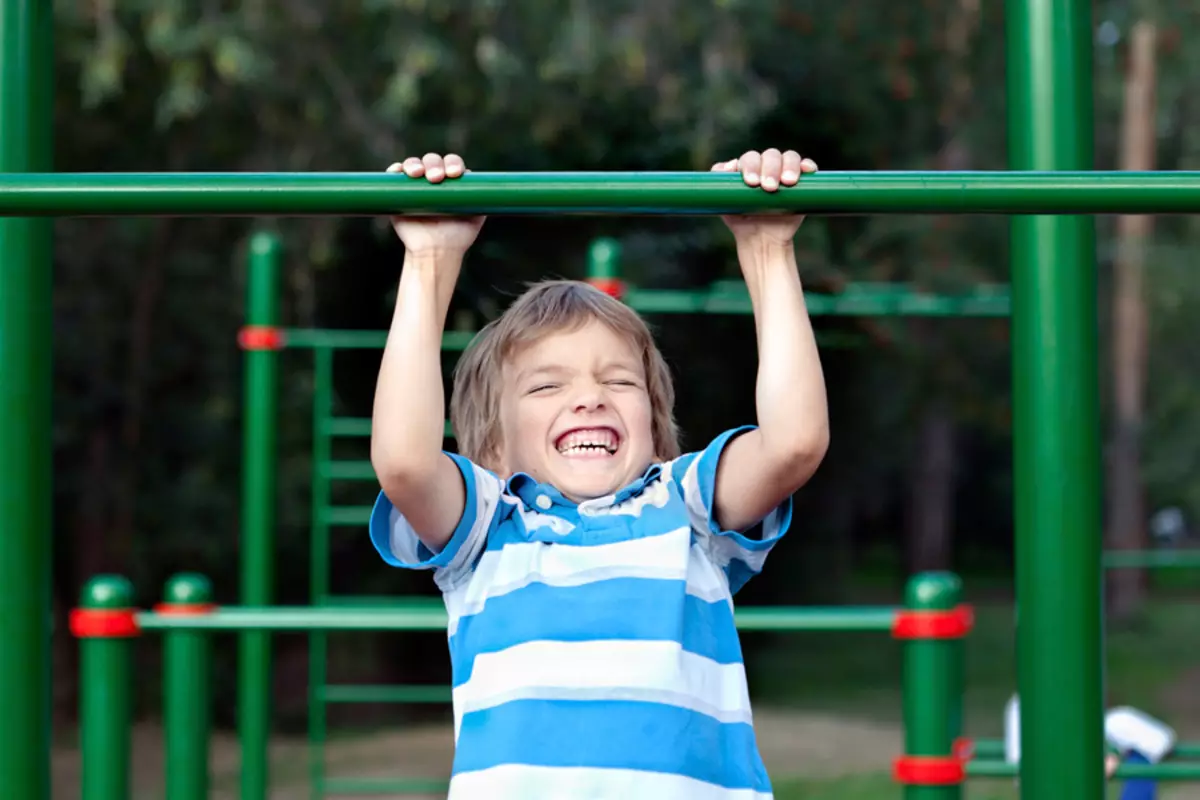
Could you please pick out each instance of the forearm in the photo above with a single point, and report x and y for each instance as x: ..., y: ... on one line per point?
x: 790, y: 398
x: 409, y: 411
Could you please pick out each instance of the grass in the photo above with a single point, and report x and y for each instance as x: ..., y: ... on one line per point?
x: 860, y: 673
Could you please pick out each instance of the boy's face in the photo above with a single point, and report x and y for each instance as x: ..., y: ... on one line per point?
x: 575, y: 413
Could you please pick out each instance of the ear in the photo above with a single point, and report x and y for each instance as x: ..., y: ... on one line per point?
x: 494, y: 460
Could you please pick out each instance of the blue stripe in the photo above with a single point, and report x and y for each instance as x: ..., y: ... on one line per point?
x: 380, y: 525
x: 615, y: 735
x: 643, y: 609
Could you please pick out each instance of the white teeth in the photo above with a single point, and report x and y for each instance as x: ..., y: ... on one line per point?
x: 588, y: 440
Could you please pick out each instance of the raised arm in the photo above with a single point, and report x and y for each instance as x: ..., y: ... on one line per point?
x: 761, y: 468
x: 409, y: 411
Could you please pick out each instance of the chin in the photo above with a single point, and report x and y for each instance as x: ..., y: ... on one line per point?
x: 587, y: 490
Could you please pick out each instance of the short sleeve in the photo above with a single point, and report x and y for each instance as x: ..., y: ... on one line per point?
x: 740, y: 555
x: 397, y: 542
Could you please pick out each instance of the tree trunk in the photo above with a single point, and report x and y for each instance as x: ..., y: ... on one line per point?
x: 1126, y: 512
x: 931, y: 493
x: 930, y: 521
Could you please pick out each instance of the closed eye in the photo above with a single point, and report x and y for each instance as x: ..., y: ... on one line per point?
x: 621, y: 383
x: 542, y: 388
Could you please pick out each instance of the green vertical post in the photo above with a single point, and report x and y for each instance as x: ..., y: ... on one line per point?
x: 604, y: 265
x: 187, y: 664
x: 1055, y: 411
x: 932, y: 681
x: 26, y: 142
x: 105, y: 626
x: 258, y: 507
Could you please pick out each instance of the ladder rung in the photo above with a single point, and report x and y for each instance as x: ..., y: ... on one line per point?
x: 347, y: 470
x: 361, y: 426
x: 382, y: 693
x: 346, y: 515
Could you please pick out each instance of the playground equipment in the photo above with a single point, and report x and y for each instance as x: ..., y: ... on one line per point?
x: 930, y: 626
x: 264, y: 343
x: 1054, y: 351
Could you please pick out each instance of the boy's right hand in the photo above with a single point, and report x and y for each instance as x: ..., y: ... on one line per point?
x: 435, y: 236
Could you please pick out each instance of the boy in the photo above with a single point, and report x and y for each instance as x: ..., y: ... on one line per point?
x: 587, y: 567
x: 1133, y: 736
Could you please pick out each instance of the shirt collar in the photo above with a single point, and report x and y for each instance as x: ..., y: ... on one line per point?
x: 531, y: 493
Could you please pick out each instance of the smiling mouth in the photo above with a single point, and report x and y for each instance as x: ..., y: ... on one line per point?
x: 588, y: 443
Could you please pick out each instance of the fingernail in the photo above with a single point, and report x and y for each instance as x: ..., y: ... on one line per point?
x: 751, y: 176
x: 789, y: 176
x: 769, y: 183
x: 434, y: 173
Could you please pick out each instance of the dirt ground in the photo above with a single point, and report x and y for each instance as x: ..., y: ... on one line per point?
x: 791, y: 743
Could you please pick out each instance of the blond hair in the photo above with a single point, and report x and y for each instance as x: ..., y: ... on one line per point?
x: 550, y: 307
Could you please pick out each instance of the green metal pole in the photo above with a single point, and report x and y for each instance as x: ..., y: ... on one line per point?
x: 604, y: 265
x: 931, y: 709
x: 1055, y: 411
x: 187, y: 663
x: 26, y: 136
x: 258, y: 512
x: 105, y: 626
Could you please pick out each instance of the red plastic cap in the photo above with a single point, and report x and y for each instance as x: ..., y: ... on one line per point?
x: 104, y: 623
x: 952, y: 624
x: 260, y: 337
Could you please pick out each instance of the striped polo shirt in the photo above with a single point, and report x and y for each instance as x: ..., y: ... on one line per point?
x: 593, y: 646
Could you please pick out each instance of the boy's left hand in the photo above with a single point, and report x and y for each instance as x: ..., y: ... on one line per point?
x: 769, y: 170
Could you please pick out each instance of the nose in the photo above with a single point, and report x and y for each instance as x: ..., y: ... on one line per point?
x: 589, y: 396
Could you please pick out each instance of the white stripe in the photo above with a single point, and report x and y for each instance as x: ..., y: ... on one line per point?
x: 619, y: 669
x: 404, y: 541
x: 724, y: 549
x: 669, y: 556
x: 522, y: 782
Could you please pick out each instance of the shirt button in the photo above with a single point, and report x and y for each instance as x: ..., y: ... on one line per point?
x: 543, y: 502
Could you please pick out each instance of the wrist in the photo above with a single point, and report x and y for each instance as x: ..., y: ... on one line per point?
x: 433, y: 259
x: 758, y: 255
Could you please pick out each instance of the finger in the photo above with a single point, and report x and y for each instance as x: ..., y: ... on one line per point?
x: 772, y: 165
x: 396, y: 167
x: 413, y: 167
x: 791, y: 168
x: 726, y: 166
x: 435, y: 168
x: 751, y: 163
x: 808, y: 165
x: 454, y: 165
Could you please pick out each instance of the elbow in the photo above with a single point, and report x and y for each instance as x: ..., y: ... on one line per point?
x: 395, y: 471
x: 797, y: 458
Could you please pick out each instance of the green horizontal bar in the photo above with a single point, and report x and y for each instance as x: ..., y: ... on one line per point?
x: 343, y: 693
x: 452, y: 341
x: 1152, y: 559
x: 802, y: 618
x: 433, y: 617
x: 345, y: 515
x: 677, y: 193
x: 994, y: 748
x: 300, y: 618
x: 384, y: 786
x: 347, y: 470
x: 1174, y: 771
x: 984, y: 303
x: 361, y: 426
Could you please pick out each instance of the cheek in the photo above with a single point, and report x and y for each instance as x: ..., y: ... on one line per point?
x: 639, y: 416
